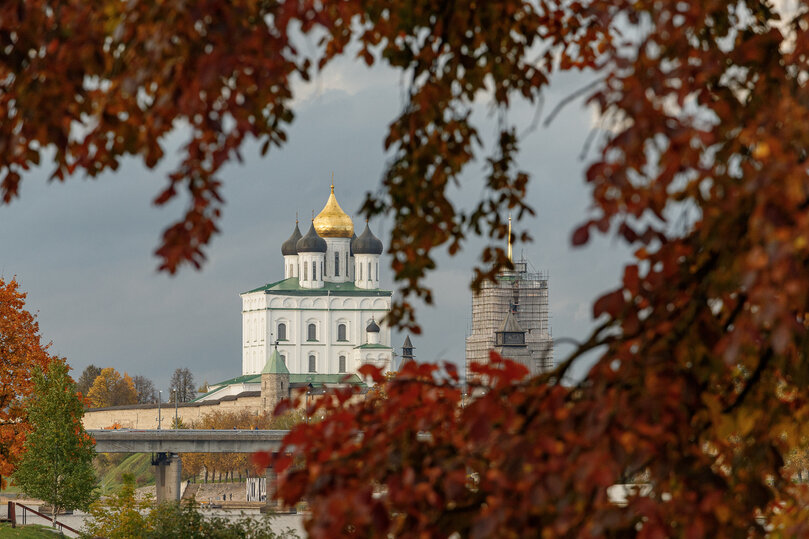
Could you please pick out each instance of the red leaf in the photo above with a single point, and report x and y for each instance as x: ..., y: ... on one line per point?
x: 581, y: 235
x: 610, y: 303
x: 261, y: 460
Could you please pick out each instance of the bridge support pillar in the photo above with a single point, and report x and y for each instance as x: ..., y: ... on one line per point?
x: 168, y: 471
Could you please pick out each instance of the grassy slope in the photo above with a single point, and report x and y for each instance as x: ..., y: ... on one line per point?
x: 139, y: 465
x: 33, y: 531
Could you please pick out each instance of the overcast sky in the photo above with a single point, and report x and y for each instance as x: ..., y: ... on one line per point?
x: 82, y: 250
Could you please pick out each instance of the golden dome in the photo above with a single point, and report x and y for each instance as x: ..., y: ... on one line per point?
x: 332, y: 221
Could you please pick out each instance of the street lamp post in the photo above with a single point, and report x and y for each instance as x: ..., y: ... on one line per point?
x: 176, y: 423
x: 159, y: 416
x: 308, y: 392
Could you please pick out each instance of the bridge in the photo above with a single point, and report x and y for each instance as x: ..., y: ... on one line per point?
x: 167, y: 444
x: 187, y: 441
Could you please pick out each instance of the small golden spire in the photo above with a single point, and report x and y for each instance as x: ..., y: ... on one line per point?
x: 332, y: 182
x: 296, y: 217
x: 509, y: 238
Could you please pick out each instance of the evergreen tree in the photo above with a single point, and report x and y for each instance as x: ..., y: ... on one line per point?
x: 57, y: 463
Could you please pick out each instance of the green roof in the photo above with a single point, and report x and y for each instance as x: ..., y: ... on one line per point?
x: 292, y: 287
x: 367, y: 346
x: 316, y: 379
x: 243, y: 379
x: 275, y: 365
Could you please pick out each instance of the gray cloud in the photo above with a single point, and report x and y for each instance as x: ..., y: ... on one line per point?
x: 83, y: 249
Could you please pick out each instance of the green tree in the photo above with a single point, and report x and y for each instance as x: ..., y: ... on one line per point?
x: 120, y: 516
x: 21, y: 351
x: 124, y: 516
x: 57, y: 465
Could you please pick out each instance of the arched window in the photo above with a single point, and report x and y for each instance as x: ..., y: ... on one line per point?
x: 336, y: 264
x: 305, y: 275
x: 314, y: 270
x: 369, y: 271
x: 360, y: 272
x: 284, y: 359
x: 341, y: 332
x: 311, y: 332
x: 282, y: 332
x: 342, y: 364
x: 312, y: 363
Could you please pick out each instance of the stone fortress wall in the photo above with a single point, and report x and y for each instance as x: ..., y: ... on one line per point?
x: 144, y: 416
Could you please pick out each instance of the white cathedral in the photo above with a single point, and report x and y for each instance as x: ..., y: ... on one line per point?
x: 325, y: 317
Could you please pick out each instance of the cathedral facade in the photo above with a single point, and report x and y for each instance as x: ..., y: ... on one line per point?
x: 325, y: 316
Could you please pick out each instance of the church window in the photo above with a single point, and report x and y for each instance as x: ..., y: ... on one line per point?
x: 377, y: 271
x: 342, y: 364
x: 321, y: 269
x: 311, y: 332
x: 341, y: 332
x: 369, y: 271
x: 305, y: 275
x: 314, y: 270
x: 312, y: 363
x: 284, y: 359
x: 282, y: 332
x: 360, y: 272
x: 336, y: 264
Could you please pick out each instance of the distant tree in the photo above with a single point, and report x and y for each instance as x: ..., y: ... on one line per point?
x: 21, y: 350
x: 57, y: 465
x: 112, y: 389
x: 183, y: 382
x: 144, y: 389
x: 88, y: 376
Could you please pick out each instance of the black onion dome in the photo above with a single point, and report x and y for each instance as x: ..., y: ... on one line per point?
x: 367, y: 243
x: 351, y: 245
x: 311, y: 242
x: 372, y: 327
x: 290, y: 247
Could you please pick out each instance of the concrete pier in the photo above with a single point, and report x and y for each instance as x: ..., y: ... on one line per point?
x: 168, y: 472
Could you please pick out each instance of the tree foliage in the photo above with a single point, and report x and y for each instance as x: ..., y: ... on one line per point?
x: 21, y: 351
x: 232, y: 464
x: 112, y: 389
x: 124, y: 516
x: 701, y: 167
x: 181, y: 386
x: 57, y: 465
x: 127, y: 73
x: 88, y: 376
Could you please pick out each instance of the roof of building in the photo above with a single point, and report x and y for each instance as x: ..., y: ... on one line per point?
x: 311, y: 242
x: 367, y: 346
x: 372, y: 327
x: 407, y: 343
x: 292, y: 287
x: 296, y: 378
x: 366, y: 243
x: 275, y: 365
x: 510, y: 325
x: 290, y: 247
x: 332, y: 221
